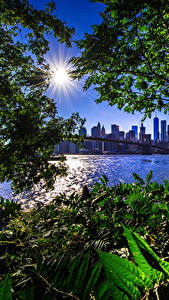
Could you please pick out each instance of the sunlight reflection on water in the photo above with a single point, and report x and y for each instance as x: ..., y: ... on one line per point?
x: 87, y: 169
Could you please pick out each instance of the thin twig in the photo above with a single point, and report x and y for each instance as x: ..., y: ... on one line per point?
x: 155, y: 290
x: 56, y: 292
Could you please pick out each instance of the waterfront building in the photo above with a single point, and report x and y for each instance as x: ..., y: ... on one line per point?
x: 130, y: 135
x: 142, y: 132
x: 73, y: 148
x: 57, y: 149
x: 94, y: 131
x: 64, y: 147
x: 98, y: 130
x: 168, y: 133
x: 135, y: 129
x: 156, y: 129
x: 103, y: 132
x: 83, y: 148
x: 115, y: 136
x: 108, y: 146
x: 115, y: 129
x: 163, y: 131
x: 121, y: 135
x: 147, y: 138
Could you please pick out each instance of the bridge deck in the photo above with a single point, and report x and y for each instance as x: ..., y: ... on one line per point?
x: 157, y: 146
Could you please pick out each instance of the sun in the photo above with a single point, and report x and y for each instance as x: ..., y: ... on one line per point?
x: 60, y: 76
x: 62, y: 85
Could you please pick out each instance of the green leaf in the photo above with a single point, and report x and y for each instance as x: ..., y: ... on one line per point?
x: 6, y: 288
x: 122, y: 275
x: 72, y: 271
x: 102, y: 289
x: 139, y: 258
x: 142, y: 244
x: 81, y: 275
x: 92, y: 280
x: 149, y: 177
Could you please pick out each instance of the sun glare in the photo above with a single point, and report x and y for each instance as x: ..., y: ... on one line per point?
x: 62, y: 85
x: 61, y: 76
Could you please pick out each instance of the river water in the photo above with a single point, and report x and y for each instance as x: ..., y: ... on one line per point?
x: 87, y: 169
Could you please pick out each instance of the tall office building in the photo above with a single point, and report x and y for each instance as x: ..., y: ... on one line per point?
x: 163, y: 131
x: 96, y: 130
x: 156, y: 129
x: 130, y: 135
x: 115, y: 129
x: 135, y: 129
x: 142, y: 132
x: 121, y: 135
x: 168, y: 133
x: 103, y: 132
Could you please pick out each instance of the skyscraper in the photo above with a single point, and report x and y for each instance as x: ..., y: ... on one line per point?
x: 156, y: 129
x: 103, y: 132
x: 96, y: 130
x: 135, y: 129
x: 115, y: 129
x: 142, y: 132
x: 163, y: 131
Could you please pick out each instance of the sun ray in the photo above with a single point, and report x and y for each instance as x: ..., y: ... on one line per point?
x: 62, y: 87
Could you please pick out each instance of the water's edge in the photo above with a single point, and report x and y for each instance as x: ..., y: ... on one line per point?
x: 87, y: 169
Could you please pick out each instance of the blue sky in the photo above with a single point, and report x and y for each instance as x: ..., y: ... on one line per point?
x: 81, y: 14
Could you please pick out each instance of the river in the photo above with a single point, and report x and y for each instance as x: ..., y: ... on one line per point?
x: 87, y: 169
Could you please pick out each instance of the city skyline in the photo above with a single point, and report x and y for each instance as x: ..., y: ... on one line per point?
x: 160, y: 132
x: 135, y: 141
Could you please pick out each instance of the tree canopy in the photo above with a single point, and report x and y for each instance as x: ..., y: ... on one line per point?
x: 126, y: 56
x: 29, y: 125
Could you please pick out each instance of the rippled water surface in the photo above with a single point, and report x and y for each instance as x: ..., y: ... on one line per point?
x: 86, y: 169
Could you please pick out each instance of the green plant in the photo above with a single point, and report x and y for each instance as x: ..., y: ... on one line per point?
x: 6, y: 288
x: 123, y: 57
x: 8, y: 209
x: 83, y: 222
x: 105, y: 277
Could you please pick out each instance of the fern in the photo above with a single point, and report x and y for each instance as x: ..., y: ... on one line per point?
x: 149, y: 177
x: 6, y: 288
x: 92, y: 280
x: 138, y: 179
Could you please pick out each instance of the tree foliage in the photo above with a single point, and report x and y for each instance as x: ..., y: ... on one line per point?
x: 126, y: 56
x: 29, y: 125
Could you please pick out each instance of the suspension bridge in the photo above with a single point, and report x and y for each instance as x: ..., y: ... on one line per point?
x: 148, y: 147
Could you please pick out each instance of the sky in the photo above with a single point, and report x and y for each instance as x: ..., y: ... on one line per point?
x: 82, y: 14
